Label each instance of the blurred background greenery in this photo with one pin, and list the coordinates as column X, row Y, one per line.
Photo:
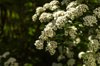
column 18, row 32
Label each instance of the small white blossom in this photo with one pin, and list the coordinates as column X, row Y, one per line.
column 51, row 25
column 80, row 55
column 10, row 61
column 72, row 33
column 45, row 17
column 89, row 20
column 54, row 5
column 53, row 8
column 46, row 6
column 58, row 14
column 34, row 17
column 83, row 65
column 73, row 13
column 77, row 41
column 60, row 22
column 70, row 13
column 90, row 38
column 89, row 59
column 97, row 12
column 93, row 45
column 54, row 2
column 51, row 51
column 82, row 8
column 39, row 10
column 43, row 36
column 52, row 44
column 49, row 32
column 73, row 27
column 72, row 5
column 5, row 54
column 39, row 44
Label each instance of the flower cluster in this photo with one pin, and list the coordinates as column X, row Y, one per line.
column 10, row 61
column 93, row 45
column 51, row 46
column 53, row 5
column 89, row 59
column 89, row 20
column 73, row 13
column 39, row 44
column 97, row 12
column 66, row 29
column 45, row 17
column 60, row 19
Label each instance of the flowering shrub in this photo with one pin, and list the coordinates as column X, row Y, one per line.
column 72, row 32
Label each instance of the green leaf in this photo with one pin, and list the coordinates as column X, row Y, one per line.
column 27, row 64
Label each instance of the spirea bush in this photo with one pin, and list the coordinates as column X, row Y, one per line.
column 72, row 29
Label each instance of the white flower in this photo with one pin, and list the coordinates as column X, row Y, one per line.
column 97, row 12
column 11, row 60
column 93, row 45
column 39, row 44
column 72, row 33
column 55, row 7
column 46, row 5
column 77, row 40
column 58, row 14
column 52, row 51
column 52, row 44
column 73, row 27
column 34, row 17
column 39, row 10
column 82, row 8
column 90, row 20
column 54, row 2
column 80, row 55
column 49, row 32
column 60, row 22
column 43, row 36
column 83, row 65
column 45, row 17
column 72, row 5
column 73, row 13
column 90, row 38
column 5, row 54
column 89, row 59
column 70, row 13
column 51, row 25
